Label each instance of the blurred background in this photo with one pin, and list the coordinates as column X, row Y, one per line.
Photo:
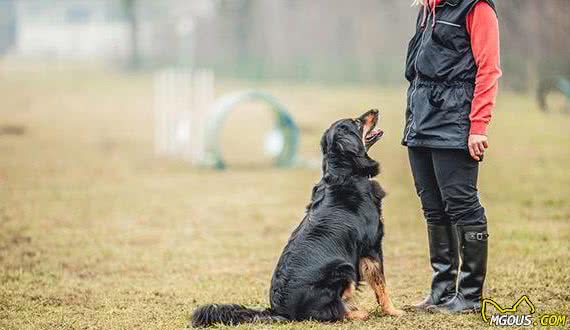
column 321, row 40
column 117, row 116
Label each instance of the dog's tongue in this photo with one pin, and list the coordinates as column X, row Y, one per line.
column 373, row 133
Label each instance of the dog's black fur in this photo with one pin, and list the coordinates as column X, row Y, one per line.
column 342, row 225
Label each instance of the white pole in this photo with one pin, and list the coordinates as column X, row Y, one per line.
column 203, row 100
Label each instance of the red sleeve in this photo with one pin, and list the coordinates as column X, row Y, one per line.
column 483, row 27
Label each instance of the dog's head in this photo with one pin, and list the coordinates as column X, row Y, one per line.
column 346, row 143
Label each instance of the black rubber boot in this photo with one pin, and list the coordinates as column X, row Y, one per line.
column 473, row 246
column 444, row 259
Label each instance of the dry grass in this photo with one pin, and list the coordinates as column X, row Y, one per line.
column 97, row 233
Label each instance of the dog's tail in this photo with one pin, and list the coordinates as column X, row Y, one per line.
column 231, row 314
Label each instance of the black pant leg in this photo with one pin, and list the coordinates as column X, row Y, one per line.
column 422, row 166
column 456, row 174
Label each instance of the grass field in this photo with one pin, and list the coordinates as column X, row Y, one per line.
column 98, row 233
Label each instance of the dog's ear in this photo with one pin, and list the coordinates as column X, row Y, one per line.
column 363, row 164
column 333, row 140
column 344, row 144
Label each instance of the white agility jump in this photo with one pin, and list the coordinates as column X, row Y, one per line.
column 182, row 100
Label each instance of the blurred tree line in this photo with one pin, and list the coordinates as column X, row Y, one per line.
column 318, row 40
column 534, row 42
column 365, row 40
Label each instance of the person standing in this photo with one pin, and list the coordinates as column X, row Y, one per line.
column 453, row 68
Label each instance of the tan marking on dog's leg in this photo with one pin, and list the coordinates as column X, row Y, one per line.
column 353, row 312
column 357, row 315
column 347, row 297
column 372, row 272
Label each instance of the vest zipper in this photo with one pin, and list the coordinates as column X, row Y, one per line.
column 448, row 23
column 414, row 83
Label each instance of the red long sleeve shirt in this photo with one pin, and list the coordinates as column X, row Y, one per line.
column 483, row 28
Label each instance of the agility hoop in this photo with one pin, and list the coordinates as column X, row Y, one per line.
column 286, row 132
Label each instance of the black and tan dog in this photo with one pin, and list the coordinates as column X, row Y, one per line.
column 337, row 245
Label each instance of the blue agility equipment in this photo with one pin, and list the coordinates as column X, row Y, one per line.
column 564, row 86
column 283, row 141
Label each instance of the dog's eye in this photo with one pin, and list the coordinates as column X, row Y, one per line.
column 358, row 123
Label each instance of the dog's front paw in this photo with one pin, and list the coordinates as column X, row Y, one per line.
column 358, row 315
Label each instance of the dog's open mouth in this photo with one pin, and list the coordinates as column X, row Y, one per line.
column 370, row 134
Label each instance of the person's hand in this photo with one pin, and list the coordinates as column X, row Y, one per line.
column 477, row 145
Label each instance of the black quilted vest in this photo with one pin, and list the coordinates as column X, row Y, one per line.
column 441, row 70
